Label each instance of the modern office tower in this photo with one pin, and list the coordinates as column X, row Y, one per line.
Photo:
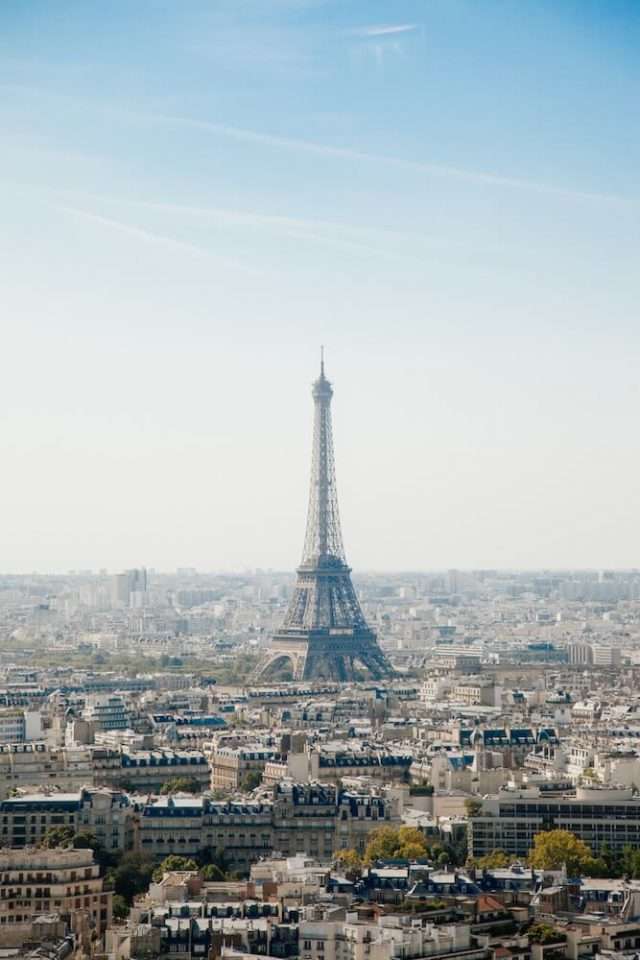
column 120, row 590
column 510, row 820
column 129, row 589
column 324, row 634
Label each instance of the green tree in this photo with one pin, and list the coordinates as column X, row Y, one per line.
column 629, row 863
column 251, row 780
column 120, row 907
column 589, row 774
column 596, row 867
column 472, row 807
column 57, row 837
column 544, row 933
column 131, row 875
column 553, row 848
column 85, row 840
column 180, row 785
column 173, row 862
column 492, row 861
column 212, row 872
column 424, row 789
column 458, row 851
column 609, row 858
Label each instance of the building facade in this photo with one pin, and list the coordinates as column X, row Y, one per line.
column 315, row 819
column 107, row 814
column 37, row 881
column 510, row 820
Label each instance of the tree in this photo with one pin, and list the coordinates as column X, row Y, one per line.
column 629, row 863
column 390, row 843
column 607, row 855
column 596, row 867
column 350, row 862
column 590, row 774
column 492, row 861
column 131, row 876
column 212, row 872
column 423, row 789
column 458, row 851
column 411, row 838
column 383, row 844
column 57, row 837
column 544, row 933
column 84, row 840
column 120, row 907
column 173, row 862
column 553, row 848
column 180, row 785
column 251, row 780
column 472, row 807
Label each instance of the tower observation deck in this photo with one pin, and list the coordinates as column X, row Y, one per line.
column 324, row 634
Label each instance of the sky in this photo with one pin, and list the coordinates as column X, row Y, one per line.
column 195, row 196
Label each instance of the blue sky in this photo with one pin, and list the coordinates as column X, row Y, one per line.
column 196, row 195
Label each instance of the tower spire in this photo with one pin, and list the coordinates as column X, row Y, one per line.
column 323, row 539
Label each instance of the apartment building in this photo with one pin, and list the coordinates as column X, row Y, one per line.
column 390, row 938
column 38, row 765
column 107, row 814
column 311, row 818
column 230, row 765
column 475, row 692
column 37, row 881
column 456, row 659
column 145, row 771
column 332, row 765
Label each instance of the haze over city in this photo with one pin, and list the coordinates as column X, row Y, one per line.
column 196, row 196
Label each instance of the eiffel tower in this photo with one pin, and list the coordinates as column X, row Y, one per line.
column 324, row 635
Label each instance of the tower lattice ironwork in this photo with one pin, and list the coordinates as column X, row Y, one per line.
column 324, row 634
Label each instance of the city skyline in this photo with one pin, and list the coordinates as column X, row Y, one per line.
column 374, row 264
column 445, row 194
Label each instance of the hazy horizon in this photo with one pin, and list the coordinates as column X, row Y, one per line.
column 196, row 196
column 291, row 573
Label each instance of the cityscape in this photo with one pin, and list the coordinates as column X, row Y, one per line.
column 341, row 747
column 446, row 765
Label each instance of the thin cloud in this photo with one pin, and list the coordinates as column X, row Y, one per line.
column 328, row 232
column 147, row 236
column 348, row 153
column 384, row 30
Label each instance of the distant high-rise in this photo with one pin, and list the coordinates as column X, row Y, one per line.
column 324, row 634
column 129, row 589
